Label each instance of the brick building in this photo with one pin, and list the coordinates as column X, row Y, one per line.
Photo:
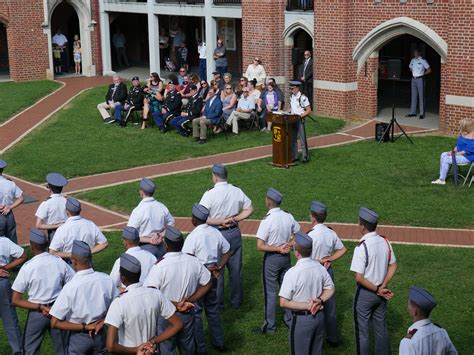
column 361, row 47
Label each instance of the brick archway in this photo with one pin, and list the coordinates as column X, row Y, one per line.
column 4, row 19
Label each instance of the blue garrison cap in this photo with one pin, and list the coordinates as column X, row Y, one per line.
column 295, row 83
column 147, row 185
column 130, row 263
column 3, row 164
column 219, row 169
column 318, row 207
column 304, row 240
column 73, row 205
column 368, row 215
column 274, row 195
column 81, row 248
column 201, row 212
column 130, row 233
column 38, row 237
column 171, row 233
column 422, row 298
column 56, row 179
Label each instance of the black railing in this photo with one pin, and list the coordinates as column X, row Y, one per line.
column 227, row 2
column 300, row 5
column 181, row 2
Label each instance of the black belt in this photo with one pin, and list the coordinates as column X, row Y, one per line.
column 417, row 77
column 301, row 313
column 276, row 253
column 228, row 228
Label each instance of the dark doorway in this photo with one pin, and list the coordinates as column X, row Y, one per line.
column 395, row 76
column 4, row 63
column 301, row 41
column 65, row 18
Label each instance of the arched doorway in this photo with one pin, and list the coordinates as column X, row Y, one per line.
column 302, row 41
column 65, row 19
column 4, row 62
column 394, row 79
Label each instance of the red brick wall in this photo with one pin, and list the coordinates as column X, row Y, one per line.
column 95, row 38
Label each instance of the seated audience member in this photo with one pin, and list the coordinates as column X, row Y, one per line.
column 270, row 102
column 203, row 90
column 153, row 97
column 243, row 83
column 185, row 89
column 217, row 91
column 243, row 112
column 194, row 78
column 253, row 91
column 182, row 73
column 464, row 151
column 116, row 94
column 277, row 90
column 218, row 79
column 211, row 115
column 256, row 71
column 172, row 78
column 171, row 107
column 134, row 101
column 229, row 101
column 191, row 111
column 227, row 79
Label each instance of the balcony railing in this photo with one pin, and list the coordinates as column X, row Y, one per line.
column 300, row 5
column 124, row 1
column 227, row 2
column 181, row 2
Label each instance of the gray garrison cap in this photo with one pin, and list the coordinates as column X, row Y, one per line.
column 274, row 195
column 368, row 215
column 422, row 298
column 81, row 248
column 56, row 179
column 201, row 212
column 3, row 164
column 130, row 263
column 130, row 233
column 73, row 205
column 304, row 240
column 318, row 207
column 219, row 169
column 147, row 185
column 38, row 237
column 171, row 233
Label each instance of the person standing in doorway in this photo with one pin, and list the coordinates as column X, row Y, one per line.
column 60, row 41
column 119, row 42
column 77, row 54
column 307, row 76
column 202, row 50
column 419, row 69
column 220, row 58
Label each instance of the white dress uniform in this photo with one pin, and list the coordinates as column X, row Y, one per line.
column 418, row 66
column 426, row 338
column 208, row 245
column 85, row 299
column 76, row 228
column 53, row 210
column 150, row 216
column 135, row 314
column 325, row 242
column 226, row 200
column 43, row 288
column 304, row 282
column 298, row 103
column 275, row 229
column 178, row 276
column 9, row 192
column 146, row 259
column 371, row 259
column 9, row 250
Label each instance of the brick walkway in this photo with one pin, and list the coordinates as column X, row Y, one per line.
column 15, row 129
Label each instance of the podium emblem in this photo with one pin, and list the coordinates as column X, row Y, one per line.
column 277, row 134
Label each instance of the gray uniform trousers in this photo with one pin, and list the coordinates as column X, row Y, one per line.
column 234, row 265
column 9, row 318
column 35, row 327
column 306, row 333
column 417, row 95
column 370, row 308
column 10, row 231
column 211, row 307
column 184, row 340
column 330, row 319
column 298, row 130
column 81, row 343
column 275, row 266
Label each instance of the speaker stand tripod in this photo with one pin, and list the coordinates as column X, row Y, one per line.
column 391, row 129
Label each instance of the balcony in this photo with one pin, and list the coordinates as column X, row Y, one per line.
column 300, row 5
column 181, row 2
column 227, row 2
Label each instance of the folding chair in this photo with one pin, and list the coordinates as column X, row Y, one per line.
column 220, row 124
column 465, row 177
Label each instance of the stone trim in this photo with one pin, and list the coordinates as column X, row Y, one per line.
column 335, row 86
column 465, row 101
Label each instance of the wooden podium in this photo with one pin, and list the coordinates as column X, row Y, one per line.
column 282, row 133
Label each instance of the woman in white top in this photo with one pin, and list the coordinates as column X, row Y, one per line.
column 256, row 71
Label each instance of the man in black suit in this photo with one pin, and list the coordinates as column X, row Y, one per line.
column 307, row 76
column 191, row 111
column 116, row 94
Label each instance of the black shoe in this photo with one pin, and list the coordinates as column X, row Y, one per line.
column 220, row 348
column 333, row 344
column 202, row 141
column 123, row 124
column 304, row 161
column 260, row 331
column 163, row 130
column 411, row 115
column 196, row 139
column 421, row 117
column 294, row 160
column 109, row 120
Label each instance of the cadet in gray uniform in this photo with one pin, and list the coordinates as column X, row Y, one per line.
column 11, row 256
column 419, row 67
column 83, row 303
column 228, row 205
column 42, row 277
column 211, row 248
column 424, row 337
column 133, row 316
column 274, row 237
column 327, row 248
column 52, row 212
column 305, row 289
column 183, row 280
column 374, row 265
column 11, row 196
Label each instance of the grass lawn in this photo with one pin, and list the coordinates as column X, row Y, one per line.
column 76, row 142
column 15, row 96
column 393, row 179
column 453, row 312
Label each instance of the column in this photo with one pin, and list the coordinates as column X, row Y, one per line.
column 211, row 43
column 153, row 39
column 105, row 43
